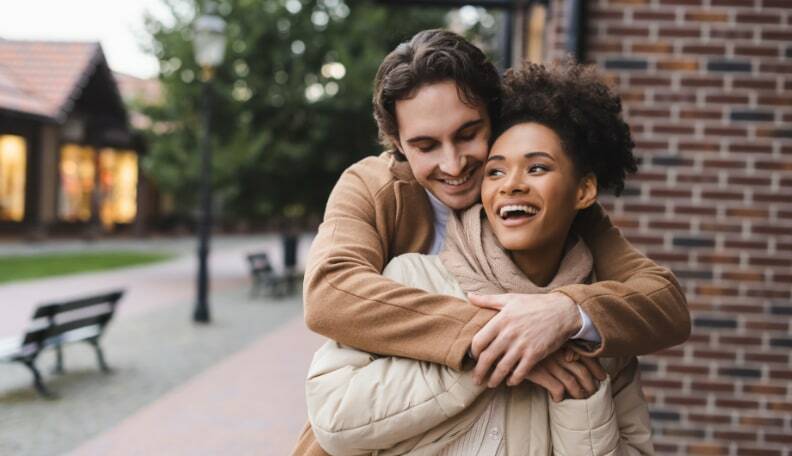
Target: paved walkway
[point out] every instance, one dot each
(148, 287)
(232, 387)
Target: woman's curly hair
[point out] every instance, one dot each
(575, 102)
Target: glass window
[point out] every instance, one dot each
(118, 180)
(535, 35)
(13, 161)
(77, 172)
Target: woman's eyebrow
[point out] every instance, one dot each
(538, 154)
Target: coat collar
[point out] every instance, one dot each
(399, 169)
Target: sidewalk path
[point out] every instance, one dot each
(250, 404)
(148, 287)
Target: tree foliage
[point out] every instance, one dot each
(292, 100)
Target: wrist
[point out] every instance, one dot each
(571, 321)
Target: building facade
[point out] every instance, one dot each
(69, 161)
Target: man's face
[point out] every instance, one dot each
(532, 191)
(445, 142)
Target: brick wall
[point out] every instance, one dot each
(707, 89)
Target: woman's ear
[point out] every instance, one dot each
(587, 191)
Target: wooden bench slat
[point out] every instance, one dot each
(49, 309)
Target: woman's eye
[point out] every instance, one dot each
(494, 172)
(534, 169)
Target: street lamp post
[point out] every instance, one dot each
(209, 44)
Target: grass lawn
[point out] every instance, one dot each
(36, 266)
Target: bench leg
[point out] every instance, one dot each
(38, 383)
(58, 360)
(100, 356)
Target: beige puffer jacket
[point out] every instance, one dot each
(359, 403)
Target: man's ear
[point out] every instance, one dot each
(587, 191)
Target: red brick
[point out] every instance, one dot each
(770, 229)
(649, 15)
(779, 438)
(757, 51)
(766, 357)
(737, 403)
(755, 260)
(712, 290)
(664, 113)
(709, 418)
(775, 100)
(754, 451)
(714, 354)
(777, 35)
(669, 225)
(723, 164)
(727, 99)
(754, 83)
(650, 81)
(782, 407)
(706, 16)
(726, 131)
(624, 31)
(780, 374)
(706, 449)
(753, 181)
(661, 384)
(695, 210)
(744, 276)
(699, 179)
(733, 2)
(761, 421)
(681, 2)
(772, 67)
(731, 33)
(746, 213)
(771, 197)
(704, 49)
(778, 325)
(712, 227)
(758, 18)
(701, 81)
(674, 97)
(701, 114)
(670, 193)
(652, 48)
(740, 340)
(687, 401)
(687, 369)
(705, 386)
(768, 293)
(735, 435)
(678, 65)
(741, 309)
(751, 148)
(722, 195)
(773, 390)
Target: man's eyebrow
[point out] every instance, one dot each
(464, 126)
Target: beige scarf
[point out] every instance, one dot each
(473, 255)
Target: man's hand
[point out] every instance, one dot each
(527, 329)
(563, 374)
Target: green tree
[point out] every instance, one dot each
(292, 103)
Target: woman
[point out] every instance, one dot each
(399, 202)
(560, 138)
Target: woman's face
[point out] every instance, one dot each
(445, 142)
(531, 190)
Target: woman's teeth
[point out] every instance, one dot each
(516, 210)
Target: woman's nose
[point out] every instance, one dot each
(513, 184)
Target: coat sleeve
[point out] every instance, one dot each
(358, 402)
(637, 306)
(609, 423)
(347, 299)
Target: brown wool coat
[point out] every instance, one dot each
(378, 210)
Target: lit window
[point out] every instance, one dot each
(13, 160)
(535, 33)
(77, 172)
(118, 180)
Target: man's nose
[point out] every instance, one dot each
(453, 161)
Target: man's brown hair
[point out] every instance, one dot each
(432, 56)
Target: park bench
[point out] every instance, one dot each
(58, 323)
(264, 276)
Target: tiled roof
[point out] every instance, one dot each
(44, 78)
